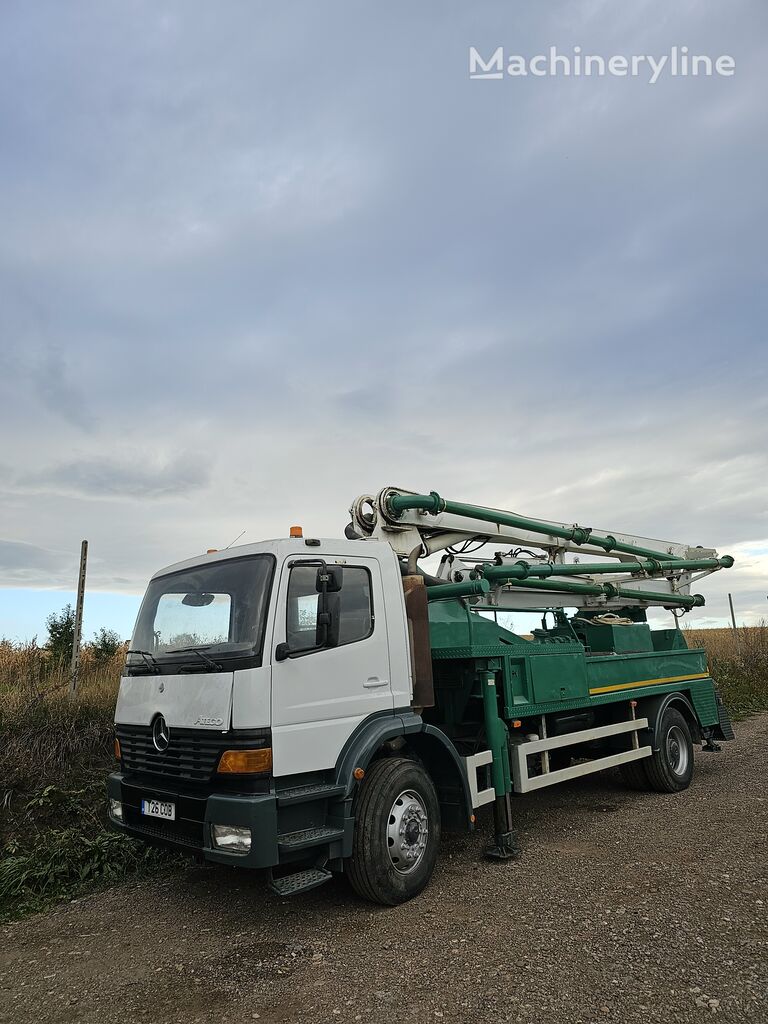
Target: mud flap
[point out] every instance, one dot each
(723, 730)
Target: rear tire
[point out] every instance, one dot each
(397, 832)
(670, 769)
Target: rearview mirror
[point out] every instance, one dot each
(198, 600)
(282, 651)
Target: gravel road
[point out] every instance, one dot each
(626, 907)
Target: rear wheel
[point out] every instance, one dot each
(397, 832)
(670, 769)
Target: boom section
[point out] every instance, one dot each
(645, 571)
(404, 517)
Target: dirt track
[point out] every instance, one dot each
(626, 907)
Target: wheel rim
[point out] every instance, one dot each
(677, 750)
(407, 832)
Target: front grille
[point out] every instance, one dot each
(192, 755)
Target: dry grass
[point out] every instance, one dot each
(55, 753)
(48, 737)
(738, 661)
(725, 644)
(27, 672)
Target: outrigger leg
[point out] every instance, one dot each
(505, 846)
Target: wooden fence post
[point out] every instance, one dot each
(78, 620)
(735, 630)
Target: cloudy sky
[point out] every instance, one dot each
(257, 259)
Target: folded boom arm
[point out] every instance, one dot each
(645, 572)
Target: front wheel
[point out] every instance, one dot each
(670, 769)
(397, 832)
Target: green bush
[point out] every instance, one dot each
(61, 634)
(67, 858)
(62, 861)
(104, 646)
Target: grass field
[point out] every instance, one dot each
(55, 753)
(738, 662)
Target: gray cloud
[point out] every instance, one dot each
(307, 250)
(26, 564)
(112, 479)
(52, 380)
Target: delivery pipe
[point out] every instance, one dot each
(434, 504)
(469, 588)
(611, 591)
(523, 570)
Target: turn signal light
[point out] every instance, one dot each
(245, 762)
(118, 753)
(296, 531)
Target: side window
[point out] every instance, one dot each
(350, 609)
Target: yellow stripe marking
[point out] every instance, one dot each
(647, 682)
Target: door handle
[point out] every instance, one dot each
(373, 681)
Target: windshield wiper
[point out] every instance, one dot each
(149, 659)
(196, 650)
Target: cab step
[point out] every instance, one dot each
(308, 837)
(299, 881)
(314, 791)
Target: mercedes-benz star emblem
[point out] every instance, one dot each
(161, 734)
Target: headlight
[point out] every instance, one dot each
(232, 838)
(116, 809)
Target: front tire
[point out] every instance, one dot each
(397, 832)
(670, 769)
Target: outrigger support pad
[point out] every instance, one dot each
(505, 845)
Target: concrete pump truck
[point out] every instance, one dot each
(309, 706)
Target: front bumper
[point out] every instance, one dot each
(196, 811)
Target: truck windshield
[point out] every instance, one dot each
(203, 619)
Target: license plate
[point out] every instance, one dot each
(159, 809)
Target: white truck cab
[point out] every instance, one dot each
(258, 681)
(206, 652)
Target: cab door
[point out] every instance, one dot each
(330, 660)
